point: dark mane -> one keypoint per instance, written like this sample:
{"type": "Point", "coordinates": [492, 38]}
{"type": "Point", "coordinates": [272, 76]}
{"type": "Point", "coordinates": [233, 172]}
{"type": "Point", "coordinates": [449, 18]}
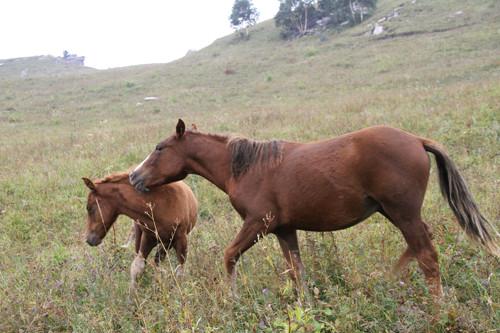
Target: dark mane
{"type": "Point", "coordinates": [247, 153]}
{"type": "Point", "coordinates": [114, 178]}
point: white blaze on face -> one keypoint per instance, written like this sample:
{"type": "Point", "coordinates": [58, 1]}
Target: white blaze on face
{"type": "Point", "coordinates": [140, 165]}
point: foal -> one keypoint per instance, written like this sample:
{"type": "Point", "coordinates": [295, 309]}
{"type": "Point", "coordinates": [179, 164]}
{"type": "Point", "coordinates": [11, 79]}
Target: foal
{"type": "Point", "coordinates": [163, 216]}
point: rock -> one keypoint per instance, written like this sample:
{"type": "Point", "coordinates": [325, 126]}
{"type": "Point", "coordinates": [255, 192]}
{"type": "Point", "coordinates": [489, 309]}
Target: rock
{"type": "Point", "coordinates": [324, 21]}
{"type": "Point", "coordinates": [377, 29]}
{"type": "Point", "coordinates": [150, 98]}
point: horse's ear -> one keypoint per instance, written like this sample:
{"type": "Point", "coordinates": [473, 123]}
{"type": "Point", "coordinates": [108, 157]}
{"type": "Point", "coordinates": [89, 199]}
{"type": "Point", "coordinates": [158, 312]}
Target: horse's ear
{"type": "Point", "coordinates": [89, 184]}
{"type": "Point", "coordinates": [180, 128]}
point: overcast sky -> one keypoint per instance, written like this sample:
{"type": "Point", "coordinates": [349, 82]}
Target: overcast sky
{"type": "Point", "coordinates": [113, 33]}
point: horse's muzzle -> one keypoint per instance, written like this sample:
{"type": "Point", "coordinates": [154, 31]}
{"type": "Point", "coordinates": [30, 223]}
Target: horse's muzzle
{"type": "Point", "coordinates": [93, 240]}
{"type": "Point", "coordinates": [137, 182]}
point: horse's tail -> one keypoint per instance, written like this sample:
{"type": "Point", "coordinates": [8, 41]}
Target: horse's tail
{"type": "Point", "coordinates": [454, 189]}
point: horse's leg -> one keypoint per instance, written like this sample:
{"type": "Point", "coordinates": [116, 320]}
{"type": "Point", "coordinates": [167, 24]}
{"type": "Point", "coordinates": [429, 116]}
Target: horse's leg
{"type": "Point", "coordinates": [408, 255]}
{"type": "Point", "coordinates": [163, 247]}
{"type": "Point", "coordinates": [131, 236]}
{"type": "Point", "coordinates": [418, 236]}
{"type": "Point", "coordinates": [290, 247]}
{"type": "Point", "coordinates": [403, 262]}
{"type": "Point", "coordinates": [181, 246]}
{"type": "Point", "coordinates": [138, 265]}
{"type": "Point", "coordinates": [420, 243]}
{"type": "Point", "coordinates": [405, 258]}
{"type": "Point", "coordinates": [138, 236]}
{"type": "Point", "coordinates": [160, 254]}
{"type": "Point", "coordinates": [245, 239]}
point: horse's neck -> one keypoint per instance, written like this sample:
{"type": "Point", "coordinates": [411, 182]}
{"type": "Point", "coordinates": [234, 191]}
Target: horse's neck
{"type": "Point", "coordinates": [211, 159]}
{"type": "Point", "coordinates": [129, 202]}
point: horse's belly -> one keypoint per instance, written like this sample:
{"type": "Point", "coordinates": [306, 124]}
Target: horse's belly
{"type": "Point", "coordinates": [334, 212]}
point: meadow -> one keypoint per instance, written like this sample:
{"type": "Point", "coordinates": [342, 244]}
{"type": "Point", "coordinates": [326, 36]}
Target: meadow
{"type": "Point", "coordinates": [434, 73]}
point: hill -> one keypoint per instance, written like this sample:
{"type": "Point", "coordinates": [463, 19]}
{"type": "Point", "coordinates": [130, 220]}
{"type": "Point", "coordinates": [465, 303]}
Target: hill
{"type": "Point", "coordinates": [434, 71]}
{"type": "Point", "coordinates": [39, 66]}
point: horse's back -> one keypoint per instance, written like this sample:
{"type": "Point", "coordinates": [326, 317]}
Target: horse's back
{"type": "Point", "coordinates": [178, 202]}
{"type": "Point", "coordinates": [337, 182]}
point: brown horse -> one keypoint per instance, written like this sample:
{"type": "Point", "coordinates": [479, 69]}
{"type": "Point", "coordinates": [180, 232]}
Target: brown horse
{"type": "Point", "coordinates": [279, 187]}
{"type": "Point", "coordinates": [163, 216]}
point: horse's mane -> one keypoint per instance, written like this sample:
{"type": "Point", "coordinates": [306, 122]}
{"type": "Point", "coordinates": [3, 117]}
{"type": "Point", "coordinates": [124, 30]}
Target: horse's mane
{"type": "Point", "coordinates": [114, 178]}
{"type": "Point", "coordinates": [248, 153]}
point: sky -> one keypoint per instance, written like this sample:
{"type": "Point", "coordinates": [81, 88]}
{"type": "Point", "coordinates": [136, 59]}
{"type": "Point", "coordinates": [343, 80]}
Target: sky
{"type": "Point", "coordinates": [111, 33]}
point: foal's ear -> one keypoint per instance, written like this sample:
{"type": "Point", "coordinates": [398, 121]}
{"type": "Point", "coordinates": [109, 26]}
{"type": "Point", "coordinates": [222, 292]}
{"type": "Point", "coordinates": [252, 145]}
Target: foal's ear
{"type": "Point", "coordinates": [89, 184]}
{"type": "Point", "coordinates": [180, 128]}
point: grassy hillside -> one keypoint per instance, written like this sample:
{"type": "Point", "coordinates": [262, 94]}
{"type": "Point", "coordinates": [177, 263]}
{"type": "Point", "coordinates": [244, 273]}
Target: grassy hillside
{"type": "Point", "coordinates": [434, 72]}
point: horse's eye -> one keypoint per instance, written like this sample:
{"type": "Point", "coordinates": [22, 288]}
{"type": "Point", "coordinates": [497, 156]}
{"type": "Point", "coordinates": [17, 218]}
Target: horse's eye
{"type": "Point", "coordinates": [158, 147]}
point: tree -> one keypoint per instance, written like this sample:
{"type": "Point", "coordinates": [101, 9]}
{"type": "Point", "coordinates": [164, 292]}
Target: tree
{"type": "Point", "coordinates": [350, 11]}
{"type": "Point", "coordinates": [296, 17]}
{"type": "Point", "coordinates": [299, 17]}
{"type": "Point", "coordinates": [243, 16]}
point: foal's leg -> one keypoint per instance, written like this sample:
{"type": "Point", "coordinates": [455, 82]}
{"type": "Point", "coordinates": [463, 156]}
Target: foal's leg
{"type": "Point", "coordinates": [181, 246]}
{"type": "Point", "coordinates": [245, 239]}
{"type": "Point", "coordinates": [138, 265]}
{"type": "Point", "coordinates": [138, 236]}
{"type": "Point", "coordinates": [131, 236]}
{"type": "Point", "coordinates": [160, 254]}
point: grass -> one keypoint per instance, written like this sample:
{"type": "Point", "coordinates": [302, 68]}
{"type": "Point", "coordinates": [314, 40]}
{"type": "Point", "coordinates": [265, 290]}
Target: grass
{"type": "Point", "coordinates": [55, 129]}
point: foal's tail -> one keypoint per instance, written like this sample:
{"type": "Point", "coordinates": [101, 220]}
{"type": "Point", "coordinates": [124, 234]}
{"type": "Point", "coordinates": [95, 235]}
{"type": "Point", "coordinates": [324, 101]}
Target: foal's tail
{"type": "Point", "coordinates": [454, 189]}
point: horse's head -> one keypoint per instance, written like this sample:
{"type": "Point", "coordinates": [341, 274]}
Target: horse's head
{"type": "Point", "coordinates": [101, 213]}
{"type": "Point", "coordinates": [166, 164]}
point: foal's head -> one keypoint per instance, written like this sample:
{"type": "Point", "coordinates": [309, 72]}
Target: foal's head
{"type": "Point", "coordinates": [101, 212]}
{"type": "Point", "coordinates": [166, 164]}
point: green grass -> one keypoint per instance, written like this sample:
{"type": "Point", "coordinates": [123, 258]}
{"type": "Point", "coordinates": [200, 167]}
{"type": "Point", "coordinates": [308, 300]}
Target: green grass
{"type": "Point", "coordinates": [55, 129]}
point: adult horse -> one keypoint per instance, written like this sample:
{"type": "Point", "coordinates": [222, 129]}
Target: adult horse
{"type": "Point", "coordinates": [280, 187]}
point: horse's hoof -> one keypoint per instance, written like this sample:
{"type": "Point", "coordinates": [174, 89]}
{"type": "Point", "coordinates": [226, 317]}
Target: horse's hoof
{"type": "Point", "coordinates": [179, 271]}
